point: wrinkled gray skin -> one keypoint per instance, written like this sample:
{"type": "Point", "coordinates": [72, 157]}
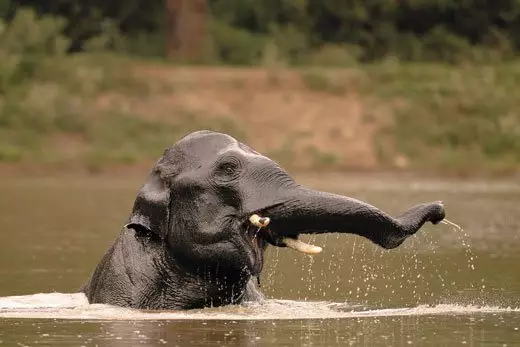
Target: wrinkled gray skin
{"type": "Point", "coordinates": [188, 243]}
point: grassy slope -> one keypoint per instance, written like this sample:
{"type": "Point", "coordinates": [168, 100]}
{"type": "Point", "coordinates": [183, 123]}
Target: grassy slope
{"type": "Point", "coordinates": [96, 112]}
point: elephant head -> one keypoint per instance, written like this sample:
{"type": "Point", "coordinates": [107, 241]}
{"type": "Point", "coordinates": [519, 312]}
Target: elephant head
{"type": "Point", "coordinates": [199, 226]}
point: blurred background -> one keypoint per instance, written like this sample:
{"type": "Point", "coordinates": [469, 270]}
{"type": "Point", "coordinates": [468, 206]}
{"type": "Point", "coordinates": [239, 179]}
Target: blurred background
{"type": "Point", "coordinates": [419, 93]}
{"type": "Point", "coordinates": [428, 86]}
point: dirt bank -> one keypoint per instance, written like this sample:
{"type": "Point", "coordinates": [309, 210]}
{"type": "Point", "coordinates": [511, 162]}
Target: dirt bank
{"type": "Point", "coordinates": [429, 119]}
{"type": "Point", "coordinates": [273, 111]}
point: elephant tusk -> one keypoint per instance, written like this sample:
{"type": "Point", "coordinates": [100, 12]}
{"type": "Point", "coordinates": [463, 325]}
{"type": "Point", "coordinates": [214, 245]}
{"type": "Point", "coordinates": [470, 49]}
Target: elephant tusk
{"type": "Point", "coordinates": [301, 246]}
{"type": "Point", "coordinates": [258, 221]}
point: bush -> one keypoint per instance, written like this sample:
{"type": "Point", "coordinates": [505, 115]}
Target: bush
{"type": "Point", "coordinates": [25, 43]}
{"type": "Point", "coordinates": [453, 118]}
{"type": "Point", "coordinates": [45, 92]}
{"type": "Point", "coordinates": [334, 56]}
{"type": "Point", "coordinates": [236, 46]}
{"type": "Point", "coordinates": [447, 31]}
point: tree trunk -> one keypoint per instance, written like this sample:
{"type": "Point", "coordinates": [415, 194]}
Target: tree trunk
{"type": "Point", "coordinates": [186, 29]}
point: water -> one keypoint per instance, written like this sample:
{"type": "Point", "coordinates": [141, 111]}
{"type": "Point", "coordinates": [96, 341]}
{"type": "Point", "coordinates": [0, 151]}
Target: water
{"type": "Point", "coordinates": [443, 286]}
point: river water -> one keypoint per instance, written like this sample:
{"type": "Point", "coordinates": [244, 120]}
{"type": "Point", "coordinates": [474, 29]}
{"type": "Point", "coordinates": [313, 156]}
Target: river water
{"type": "Point", "coordinates": [442, 287]}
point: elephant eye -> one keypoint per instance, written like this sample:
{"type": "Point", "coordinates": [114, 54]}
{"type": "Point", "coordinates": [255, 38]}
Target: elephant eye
{"type": "Point", "coordinates": [227, 169]}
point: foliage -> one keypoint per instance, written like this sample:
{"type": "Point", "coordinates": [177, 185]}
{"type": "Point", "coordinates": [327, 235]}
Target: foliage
{"type": "Point", "coordinates": [236, 46]}
{"type": "Point", "coordinates": [25, 43]}
{"type": "Point", "coordinates": [413, 30]}
{"type": "Point", "coordinates": [46, 94]}
{"type": "Point", "coordinates": [452, 118]}
{"type": "Point", "coordinates": [449, 117]}
{"type": "Point", "coordinates": [426, 30]}
{"type": "Point", "coordinates": [124, 23]}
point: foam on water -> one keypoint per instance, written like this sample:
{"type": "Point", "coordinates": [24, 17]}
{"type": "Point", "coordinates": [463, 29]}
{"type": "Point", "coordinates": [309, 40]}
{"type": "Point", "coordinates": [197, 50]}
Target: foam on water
{"type": "Point", "coordinates": [76, 306]}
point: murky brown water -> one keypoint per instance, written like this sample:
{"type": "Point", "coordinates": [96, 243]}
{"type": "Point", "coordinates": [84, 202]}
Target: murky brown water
{"type": "Point", "coordinates": [442, 287]}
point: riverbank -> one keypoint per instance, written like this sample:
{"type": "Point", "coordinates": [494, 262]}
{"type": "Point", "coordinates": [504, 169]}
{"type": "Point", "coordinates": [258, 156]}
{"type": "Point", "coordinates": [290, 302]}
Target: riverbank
{"type": "Point", "coordinates": [104, 113]}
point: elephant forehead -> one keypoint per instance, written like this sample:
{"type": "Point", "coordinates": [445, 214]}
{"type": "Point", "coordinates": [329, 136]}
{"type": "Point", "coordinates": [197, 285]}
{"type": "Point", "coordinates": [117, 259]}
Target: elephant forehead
{"type": "Point", "coordinates": [208, 145]}
{"type": "Point", "coordinates": [202, 144]}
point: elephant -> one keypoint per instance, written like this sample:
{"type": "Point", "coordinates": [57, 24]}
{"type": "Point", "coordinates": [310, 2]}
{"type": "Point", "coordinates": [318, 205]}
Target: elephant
{"type": "Point", "coordinates": [208, 210]}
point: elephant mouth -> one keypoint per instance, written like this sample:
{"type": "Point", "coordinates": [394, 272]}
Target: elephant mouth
{"type": "Point", "coordinates": [257, 242]}
{"type": "Point", "coordinates": [260, 234]}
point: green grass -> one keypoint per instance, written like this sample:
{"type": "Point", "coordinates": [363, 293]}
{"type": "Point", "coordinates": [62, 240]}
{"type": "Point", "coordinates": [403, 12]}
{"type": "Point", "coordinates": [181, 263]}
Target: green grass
{"type": "Point", "coordinates": [60, 99]}
{"type": "Point", "coordinates": [459, 119]}
{"type": "Point", "coordinates": [450, 119]}
{"type": "Point", "coordinates": [440, 117]}
{"type": "Point", "coordinates": [50, 108]}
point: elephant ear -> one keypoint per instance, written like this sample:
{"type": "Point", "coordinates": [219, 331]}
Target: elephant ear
{"type": "Point", "coordinates": [151, 211]}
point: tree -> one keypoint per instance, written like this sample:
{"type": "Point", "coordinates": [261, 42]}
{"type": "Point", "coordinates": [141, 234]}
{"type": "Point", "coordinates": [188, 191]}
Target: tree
{"type": "Point", "coordinates": [186, 29]}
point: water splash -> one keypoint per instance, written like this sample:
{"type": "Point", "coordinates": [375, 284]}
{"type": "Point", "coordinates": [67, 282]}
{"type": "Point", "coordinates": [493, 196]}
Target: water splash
{"type": "Point", "coordinates": [268, 278]}
{"type": "Point", "coordinates": [354, 270]}
{"type": "Point", "coordinates": [448, 222]}
{"type": "Point", "coordinates": [75, 306]}
{"type": "Point", "coordinates": [464, 239]}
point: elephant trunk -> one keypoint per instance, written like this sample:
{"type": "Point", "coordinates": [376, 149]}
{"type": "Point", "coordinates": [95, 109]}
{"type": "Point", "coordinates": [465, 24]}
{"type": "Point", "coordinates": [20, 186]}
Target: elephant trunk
{"type": "Point", "coordinates": [307, 211]}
